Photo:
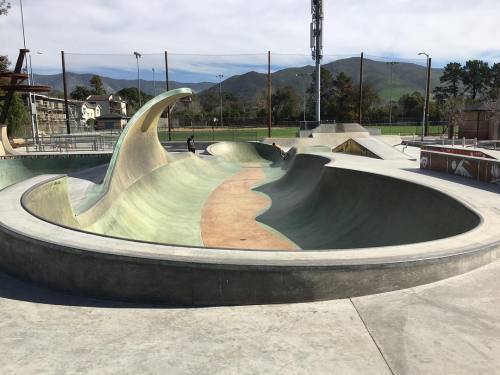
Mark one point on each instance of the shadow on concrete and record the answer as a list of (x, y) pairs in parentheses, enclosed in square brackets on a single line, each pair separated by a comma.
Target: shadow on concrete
[(94, 174), (15, 289)]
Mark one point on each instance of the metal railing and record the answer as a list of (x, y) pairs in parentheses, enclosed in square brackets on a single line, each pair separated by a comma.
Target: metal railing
[(94, 142)]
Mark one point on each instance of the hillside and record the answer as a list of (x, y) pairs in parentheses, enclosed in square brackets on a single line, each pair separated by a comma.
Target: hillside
[(111, 84), (407, 78)]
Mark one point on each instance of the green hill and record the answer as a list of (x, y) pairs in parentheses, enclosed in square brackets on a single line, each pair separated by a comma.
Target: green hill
[(407, 78), (112, 85)]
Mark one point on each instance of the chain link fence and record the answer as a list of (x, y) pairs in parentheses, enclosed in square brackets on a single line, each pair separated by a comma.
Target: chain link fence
[(231, 100)]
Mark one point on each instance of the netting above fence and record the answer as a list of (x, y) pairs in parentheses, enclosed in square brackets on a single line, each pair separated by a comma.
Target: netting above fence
[(232, 89)]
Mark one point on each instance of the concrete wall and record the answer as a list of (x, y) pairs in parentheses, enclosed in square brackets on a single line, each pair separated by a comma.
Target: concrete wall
[(18, 168), (476, 168)]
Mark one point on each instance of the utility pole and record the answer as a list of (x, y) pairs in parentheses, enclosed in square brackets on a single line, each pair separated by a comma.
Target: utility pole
[(317, 49), (65, 86), (154, 82), (360, 99), (137, 57), (269, 95), (30, 80), (167, 87), (425, 116), (220, 76), (392, 63)]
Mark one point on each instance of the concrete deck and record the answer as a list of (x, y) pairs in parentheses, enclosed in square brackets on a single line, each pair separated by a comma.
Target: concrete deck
[(448, 327)]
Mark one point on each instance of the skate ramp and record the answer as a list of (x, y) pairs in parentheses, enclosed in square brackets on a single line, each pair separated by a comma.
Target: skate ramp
[(371, 147), (245, 152), (333, 208)]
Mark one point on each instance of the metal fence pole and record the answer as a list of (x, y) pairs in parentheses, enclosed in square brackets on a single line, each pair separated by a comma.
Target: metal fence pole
[(360, 99), (168, 88), (66, 107), (269, 108)]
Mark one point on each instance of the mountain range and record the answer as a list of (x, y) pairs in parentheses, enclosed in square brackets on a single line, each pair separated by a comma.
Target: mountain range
[(406, 78), (112, 85)]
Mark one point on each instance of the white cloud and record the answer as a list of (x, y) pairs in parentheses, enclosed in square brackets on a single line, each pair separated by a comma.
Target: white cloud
[(448, 29)]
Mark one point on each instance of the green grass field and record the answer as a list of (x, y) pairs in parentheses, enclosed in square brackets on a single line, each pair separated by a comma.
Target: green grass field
[(253, 134), (257, 134)]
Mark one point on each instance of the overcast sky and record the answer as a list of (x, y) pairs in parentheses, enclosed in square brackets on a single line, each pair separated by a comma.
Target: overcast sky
[(447, 29)]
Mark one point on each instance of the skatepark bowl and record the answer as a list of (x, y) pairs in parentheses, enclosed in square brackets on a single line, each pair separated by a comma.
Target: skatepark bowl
[(242, 225)]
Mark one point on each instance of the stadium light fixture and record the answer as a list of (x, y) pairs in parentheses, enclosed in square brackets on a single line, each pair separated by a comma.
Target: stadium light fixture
[(137, 57), (426, 101)]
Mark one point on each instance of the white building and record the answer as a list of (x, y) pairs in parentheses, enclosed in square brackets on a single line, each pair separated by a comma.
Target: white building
[(110, 104)]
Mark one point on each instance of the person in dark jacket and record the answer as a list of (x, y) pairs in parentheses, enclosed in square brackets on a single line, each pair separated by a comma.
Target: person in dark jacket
[(190, 144)]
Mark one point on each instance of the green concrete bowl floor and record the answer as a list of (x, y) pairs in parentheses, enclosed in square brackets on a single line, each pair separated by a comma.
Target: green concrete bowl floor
[(314, 206)]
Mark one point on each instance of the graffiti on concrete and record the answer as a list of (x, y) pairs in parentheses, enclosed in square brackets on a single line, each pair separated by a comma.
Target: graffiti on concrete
[(461, 168)]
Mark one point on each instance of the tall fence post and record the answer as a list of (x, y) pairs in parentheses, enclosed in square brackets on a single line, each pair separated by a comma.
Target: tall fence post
[(66, 107), (269, 108), (168, 88), (360, 100), (427, 97)]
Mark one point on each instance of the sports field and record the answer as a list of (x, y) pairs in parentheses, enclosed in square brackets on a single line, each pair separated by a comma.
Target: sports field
[(256, 134)]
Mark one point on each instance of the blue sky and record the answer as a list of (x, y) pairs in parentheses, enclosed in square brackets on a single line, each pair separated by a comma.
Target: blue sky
[(106, 33)]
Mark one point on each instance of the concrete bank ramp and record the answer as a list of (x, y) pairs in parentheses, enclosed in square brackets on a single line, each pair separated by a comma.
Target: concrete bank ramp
[(372, 147)]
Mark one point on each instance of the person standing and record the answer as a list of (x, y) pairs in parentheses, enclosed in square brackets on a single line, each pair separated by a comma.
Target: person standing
[(190, 144)]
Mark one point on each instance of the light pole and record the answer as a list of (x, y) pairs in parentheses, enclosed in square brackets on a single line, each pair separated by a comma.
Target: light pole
[(154, 82), (392, 63), (34, 114), (426, 102), (303, 92), (30, 78), (220, 76), (137, 57)]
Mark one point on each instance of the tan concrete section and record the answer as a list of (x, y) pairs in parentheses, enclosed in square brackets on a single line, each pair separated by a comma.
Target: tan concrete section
[(448, 327), (228, 217)]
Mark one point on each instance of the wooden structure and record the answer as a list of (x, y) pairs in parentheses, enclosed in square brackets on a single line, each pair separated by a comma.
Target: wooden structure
[(478, 123), (16, 78)]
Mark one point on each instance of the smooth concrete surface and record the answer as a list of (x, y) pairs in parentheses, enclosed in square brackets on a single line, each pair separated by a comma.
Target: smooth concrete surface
[(69, 260), (448, 327), (18, 168)]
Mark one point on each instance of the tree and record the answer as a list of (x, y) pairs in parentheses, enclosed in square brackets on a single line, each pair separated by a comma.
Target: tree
[(452, 113), (412, 105), (4, 7), (345, 99), (4, 63), (131, 96), (450, 82), (17, 117), (476, 77), (97, 85), (495, 81), (210, 102), (80, 93), (326, 93), (370, 101), (285, 104)]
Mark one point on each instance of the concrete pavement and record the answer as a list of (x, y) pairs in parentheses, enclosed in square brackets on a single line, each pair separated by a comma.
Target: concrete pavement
[(448, 327)]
